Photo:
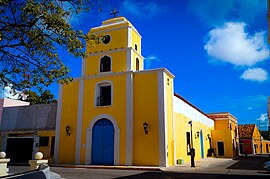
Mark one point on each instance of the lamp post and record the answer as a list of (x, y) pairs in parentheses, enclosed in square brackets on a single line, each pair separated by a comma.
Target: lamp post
[(192, 150)]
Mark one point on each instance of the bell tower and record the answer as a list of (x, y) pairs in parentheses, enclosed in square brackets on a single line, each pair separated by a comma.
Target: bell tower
[(119, 51)]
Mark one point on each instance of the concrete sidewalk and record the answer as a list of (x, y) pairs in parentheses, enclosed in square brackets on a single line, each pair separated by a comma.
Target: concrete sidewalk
[(214, 166), (185, 167), (200, 164), (204, 166)]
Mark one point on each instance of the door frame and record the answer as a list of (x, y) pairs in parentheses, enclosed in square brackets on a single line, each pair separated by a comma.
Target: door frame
[(223, 149), (201, 143), (89, 132)]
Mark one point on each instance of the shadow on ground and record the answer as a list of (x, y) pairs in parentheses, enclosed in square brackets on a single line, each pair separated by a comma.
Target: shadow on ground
[(250, 163), (173, 175)]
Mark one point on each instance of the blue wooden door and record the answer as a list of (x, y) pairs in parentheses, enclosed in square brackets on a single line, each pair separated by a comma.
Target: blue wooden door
[(103, 143), (202, 146)]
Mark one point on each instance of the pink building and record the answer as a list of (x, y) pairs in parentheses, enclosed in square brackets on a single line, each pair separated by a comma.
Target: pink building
[(5, 102)]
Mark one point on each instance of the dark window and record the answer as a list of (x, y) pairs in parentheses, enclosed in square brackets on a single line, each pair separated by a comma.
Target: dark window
[(137, 64), (106, 39), (105, 64), (43, 141), (230, 126), (52, 146), (188, 143), (104, 98), (136, 47)]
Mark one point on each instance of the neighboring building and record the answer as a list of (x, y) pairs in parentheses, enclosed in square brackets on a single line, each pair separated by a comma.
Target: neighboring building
[(265, 146), (250, 139), (5, 102), (117, 113), (26, 130), (225, 135), (202, 125)]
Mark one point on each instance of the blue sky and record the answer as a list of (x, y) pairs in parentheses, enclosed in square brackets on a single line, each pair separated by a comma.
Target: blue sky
[(217, 50)]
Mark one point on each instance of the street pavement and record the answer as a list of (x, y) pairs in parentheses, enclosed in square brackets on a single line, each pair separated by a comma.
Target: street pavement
[(243, 167)]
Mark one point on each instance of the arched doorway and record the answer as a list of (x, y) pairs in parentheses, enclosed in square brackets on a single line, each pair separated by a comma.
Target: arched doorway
[(103, 143)]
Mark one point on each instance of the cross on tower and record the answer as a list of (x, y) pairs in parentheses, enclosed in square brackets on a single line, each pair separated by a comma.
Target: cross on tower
[(114, 12)]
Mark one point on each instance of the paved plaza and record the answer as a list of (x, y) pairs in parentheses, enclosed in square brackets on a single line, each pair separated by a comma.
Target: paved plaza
[(243, 167)]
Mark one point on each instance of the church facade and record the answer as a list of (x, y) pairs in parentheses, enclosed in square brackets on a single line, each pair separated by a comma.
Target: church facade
[(117, 113)]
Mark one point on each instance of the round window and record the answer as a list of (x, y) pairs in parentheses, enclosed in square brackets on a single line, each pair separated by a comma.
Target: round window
[(106, 39)]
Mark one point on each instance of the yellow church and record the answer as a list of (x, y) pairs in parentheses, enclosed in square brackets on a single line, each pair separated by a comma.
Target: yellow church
[(117, 113)]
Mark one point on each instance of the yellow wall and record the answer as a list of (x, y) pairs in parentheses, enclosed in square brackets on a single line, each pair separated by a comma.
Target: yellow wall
[(266, 143), (116, 110), (146, 146), (256, 137), (221, 124), (118, 63), (46, 150), (225, 137), (226, 130), (118, 40), (181, 127), (136, 39), (67, 144)]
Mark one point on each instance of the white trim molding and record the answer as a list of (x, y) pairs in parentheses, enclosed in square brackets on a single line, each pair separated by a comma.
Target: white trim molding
[(129, 39), (79, 123), (129, 59), (173, 122), (89, 131), (83, 67), (161, 120), (58, 123), (129, 119)]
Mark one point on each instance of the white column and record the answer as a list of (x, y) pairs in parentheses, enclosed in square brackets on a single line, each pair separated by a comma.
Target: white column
[(58, 123), (129, 119), (79, 122)]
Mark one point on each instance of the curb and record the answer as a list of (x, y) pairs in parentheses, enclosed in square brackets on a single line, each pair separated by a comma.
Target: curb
[(109, 167)]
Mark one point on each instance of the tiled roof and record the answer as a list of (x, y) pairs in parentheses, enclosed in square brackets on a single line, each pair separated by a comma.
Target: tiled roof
[(246, 131)]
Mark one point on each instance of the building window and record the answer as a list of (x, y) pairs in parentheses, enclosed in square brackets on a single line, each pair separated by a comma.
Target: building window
[(105, 64), (230, 125), (52, 146), (104, 94), (136, 47), (137, 64), (43, 141)]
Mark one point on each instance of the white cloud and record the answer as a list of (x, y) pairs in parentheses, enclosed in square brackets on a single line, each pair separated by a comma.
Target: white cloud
[(142, 9), (149, 60), (232, 44), (255, 74), (263, 117), (7, 92)]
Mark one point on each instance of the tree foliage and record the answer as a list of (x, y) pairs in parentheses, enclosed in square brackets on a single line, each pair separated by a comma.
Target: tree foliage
[(46, 97), (31, 33)]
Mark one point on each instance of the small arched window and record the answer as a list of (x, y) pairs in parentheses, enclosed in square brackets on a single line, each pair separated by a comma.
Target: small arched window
[(105, 64), (136, 47), (137, 64)]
